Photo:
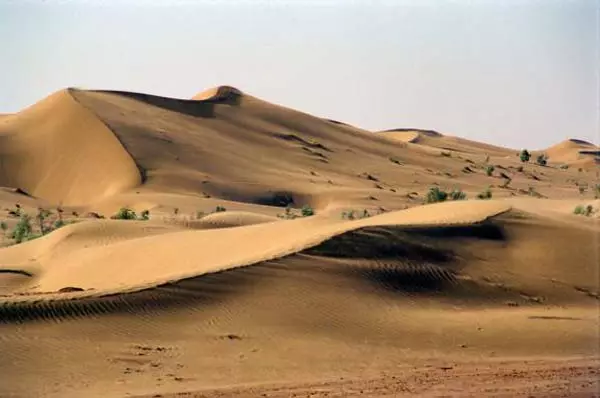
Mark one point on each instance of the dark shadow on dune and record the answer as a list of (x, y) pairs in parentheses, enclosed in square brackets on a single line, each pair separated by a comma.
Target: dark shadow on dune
[(382, 242), (417, 277), (487, 230), (206, 289), (203, 108)]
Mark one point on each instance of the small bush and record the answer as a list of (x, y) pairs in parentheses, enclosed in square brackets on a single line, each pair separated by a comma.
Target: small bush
[(3, 226), (23, 229), (458, 195), (447, 154), (487, 194), (220, 209), (489, 170), (145, 215), (307, 211), (436, 195), (125, 214), (524, 155), (542, 159), (583, 210)]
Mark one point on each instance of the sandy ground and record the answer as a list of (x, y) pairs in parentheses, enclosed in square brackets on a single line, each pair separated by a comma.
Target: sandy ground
[(474, 297)]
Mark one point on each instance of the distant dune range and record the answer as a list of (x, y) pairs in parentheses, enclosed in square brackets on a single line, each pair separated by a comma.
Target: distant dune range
[(245, 299)]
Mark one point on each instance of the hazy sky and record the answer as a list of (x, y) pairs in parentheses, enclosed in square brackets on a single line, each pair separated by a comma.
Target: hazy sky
[(515, 73)]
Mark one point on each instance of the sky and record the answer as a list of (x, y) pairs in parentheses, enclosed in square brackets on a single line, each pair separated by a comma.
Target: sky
[(522, 74)]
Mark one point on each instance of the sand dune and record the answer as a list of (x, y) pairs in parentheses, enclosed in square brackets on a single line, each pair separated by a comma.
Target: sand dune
[(228, 290), (58, 151), (574, 152)]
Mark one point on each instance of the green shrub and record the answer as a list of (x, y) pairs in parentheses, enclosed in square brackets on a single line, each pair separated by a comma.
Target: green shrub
[(307, 211), (145, 215), (489, 170), (219, 209), (457, 195), (23, 229), (435, 194), (524, 155), (584, 210), (487, 194), (125, 214)]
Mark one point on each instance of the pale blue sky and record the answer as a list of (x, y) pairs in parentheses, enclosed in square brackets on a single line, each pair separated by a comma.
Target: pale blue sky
[(515, 73)]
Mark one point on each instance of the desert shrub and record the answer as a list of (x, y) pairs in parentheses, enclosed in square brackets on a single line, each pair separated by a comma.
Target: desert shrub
[(125, 214), (524, 155), (542, 159), (307, 211), (23, 229), (435, 194), (583, 210), (394, 160), (220, 209), (288, 214), (199, 214), (446, 154), (59, 223), (564, 166), (487, 194), (457, 194), (145, 215), (489, 170), (3, 226)]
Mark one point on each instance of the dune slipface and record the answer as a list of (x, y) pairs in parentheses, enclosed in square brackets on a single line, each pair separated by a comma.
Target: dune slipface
[(59, 151), (285, 254)]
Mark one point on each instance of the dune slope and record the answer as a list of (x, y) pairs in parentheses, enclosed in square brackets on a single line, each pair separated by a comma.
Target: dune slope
[(58, 151)]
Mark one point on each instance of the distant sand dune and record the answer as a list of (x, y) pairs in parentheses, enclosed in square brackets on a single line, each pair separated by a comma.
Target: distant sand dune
[(575, 152)]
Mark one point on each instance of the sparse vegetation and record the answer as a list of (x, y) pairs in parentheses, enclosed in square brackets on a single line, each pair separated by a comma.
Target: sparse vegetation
[(489, 170), (524, 155), (435, 194), (542, 159), (457, 194), (581, 210), (125, 213), (487, 194), (355, 214), (145, 215), (447, 154), (307, 211), (220, 209), (395, 160), (29, 228)]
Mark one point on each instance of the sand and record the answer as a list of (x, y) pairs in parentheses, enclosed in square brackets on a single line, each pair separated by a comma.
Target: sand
[(470, 297)]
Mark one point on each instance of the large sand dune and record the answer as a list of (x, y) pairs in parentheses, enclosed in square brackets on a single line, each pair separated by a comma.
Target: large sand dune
[(485, 297)]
